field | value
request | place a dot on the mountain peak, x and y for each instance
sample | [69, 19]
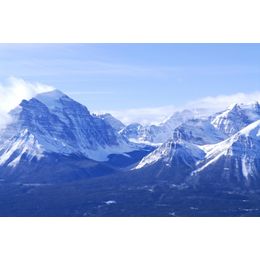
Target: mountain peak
[236, 117]
[243, 106]
[53, 94]
[234, 107]
[111, 120]
[51, 97]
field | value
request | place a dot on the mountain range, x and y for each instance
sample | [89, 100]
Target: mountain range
[223, 150]
[53, 138]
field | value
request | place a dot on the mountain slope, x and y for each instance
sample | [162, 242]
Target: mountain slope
[174, 159]
[235, 161]
[206, 157]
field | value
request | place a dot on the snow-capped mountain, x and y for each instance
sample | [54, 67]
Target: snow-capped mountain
[194, 127]
[156, 134]
[236, 117]
[171, 150]
[174, 159]
[179, 118]
[235, 160]
[114, 122]
[54, 123]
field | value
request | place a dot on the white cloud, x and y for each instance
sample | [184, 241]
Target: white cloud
[144, 116]
[217, 103]
[207, 105]
[14, 91]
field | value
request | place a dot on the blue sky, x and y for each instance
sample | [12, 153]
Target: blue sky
[112, 77]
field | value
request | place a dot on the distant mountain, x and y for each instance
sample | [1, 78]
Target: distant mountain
[175, 160]
[207, 154]
[236, 117]
[179, 118]
[114, 122]
[135, 132]
[199, 131]
[156, 134]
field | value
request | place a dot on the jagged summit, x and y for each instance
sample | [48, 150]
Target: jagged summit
[236, 117]
[114, 122]
[171, 150]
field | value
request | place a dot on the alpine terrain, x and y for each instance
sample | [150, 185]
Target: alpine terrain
[58, 159]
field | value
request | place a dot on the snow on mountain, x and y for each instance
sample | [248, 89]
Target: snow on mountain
[156, 134]
[236, 117]
[151, 135]
[194, 127]
[54, 123]
[199, 131]
[172, 150]
[114, 122]
[173, 161]
[24, 144]
[52, 99]
[205, 150]
[134, 132]
[237, 158]
[179, 118]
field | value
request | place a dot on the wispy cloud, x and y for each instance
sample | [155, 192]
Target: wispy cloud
[14, 91]
[216, 103]
[153, 115]
[209, 105]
